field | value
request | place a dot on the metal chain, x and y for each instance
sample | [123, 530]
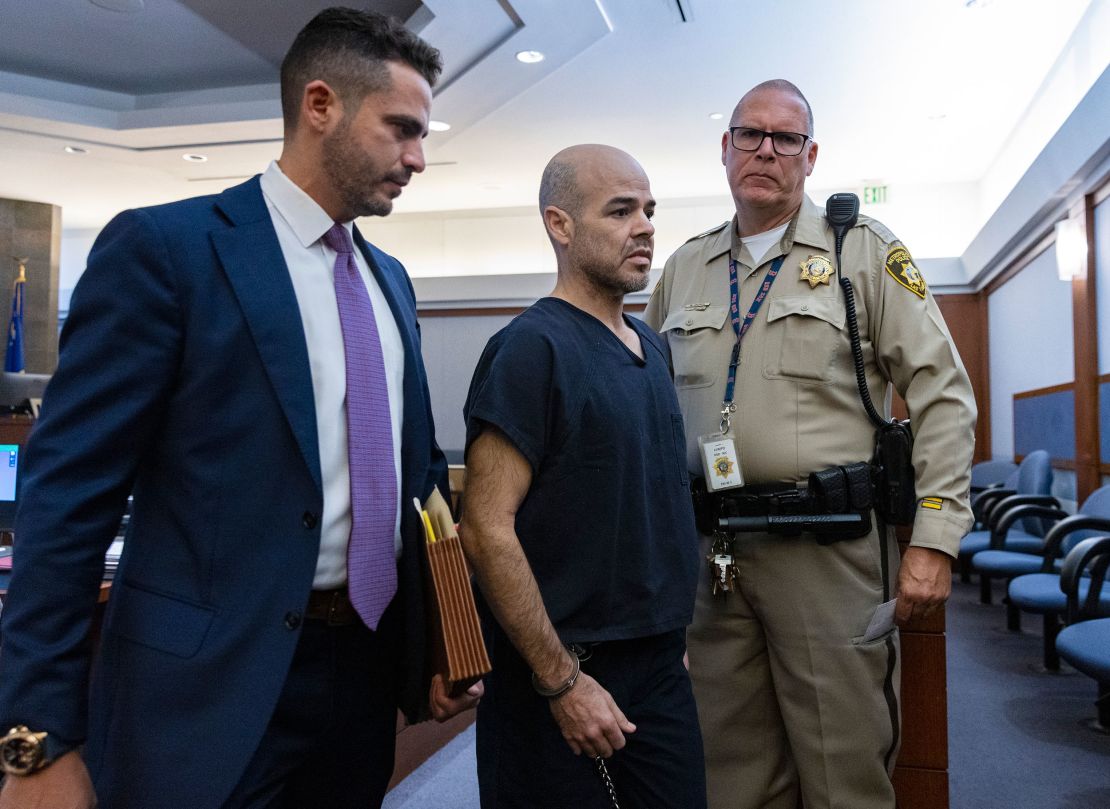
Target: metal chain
[603, 771]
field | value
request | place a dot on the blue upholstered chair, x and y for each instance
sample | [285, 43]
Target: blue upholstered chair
[1093, 517]
[1085, 642]
[1028, 486]
[1039, 591]
[990, 474]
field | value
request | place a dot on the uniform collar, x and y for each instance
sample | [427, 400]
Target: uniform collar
[809, 227]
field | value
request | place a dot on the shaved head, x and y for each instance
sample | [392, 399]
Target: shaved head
[597, 207]
[560, 184]
[780, 85]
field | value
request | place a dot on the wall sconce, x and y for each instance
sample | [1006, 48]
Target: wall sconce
[1071, 250]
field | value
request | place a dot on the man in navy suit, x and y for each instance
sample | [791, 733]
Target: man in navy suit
[208, 366]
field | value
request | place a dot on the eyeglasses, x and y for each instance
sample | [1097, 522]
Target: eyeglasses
[785, 144]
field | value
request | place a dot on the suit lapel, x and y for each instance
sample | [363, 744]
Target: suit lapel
[388, 282]
[253, 262]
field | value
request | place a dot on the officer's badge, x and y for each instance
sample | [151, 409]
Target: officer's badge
[900, 265]
[723, 467]
[816, 270]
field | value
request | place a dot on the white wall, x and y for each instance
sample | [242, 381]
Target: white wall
[451, 348]
[76, 245]
[1030, 342]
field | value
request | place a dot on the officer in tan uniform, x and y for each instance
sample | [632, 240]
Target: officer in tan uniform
[795, 668]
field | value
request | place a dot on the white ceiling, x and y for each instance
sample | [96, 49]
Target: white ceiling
[917, 94]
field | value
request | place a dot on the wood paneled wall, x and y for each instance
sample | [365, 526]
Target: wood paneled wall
[966, 317]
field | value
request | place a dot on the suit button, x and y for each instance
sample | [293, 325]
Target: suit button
[309, 520]
[292, 620]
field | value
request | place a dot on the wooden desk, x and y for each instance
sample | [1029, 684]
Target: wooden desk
[456, 474]
[14, 429]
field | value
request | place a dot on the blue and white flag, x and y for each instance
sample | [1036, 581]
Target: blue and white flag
[13, 360]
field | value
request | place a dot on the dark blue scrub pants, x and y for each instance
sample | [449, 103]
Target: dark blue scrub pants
[524, 762]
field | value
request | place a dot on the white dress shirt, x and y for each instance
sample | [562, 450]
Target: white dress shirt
[300, 223]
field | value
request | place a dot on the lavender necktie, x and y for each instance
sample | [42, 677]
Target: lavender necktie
[371, 563]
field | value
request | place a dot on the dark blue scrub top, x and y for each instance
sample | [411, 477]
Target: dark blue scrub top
[607, 524]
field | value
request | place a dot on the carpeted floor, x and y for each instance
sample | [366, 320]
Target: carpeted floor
[445, 781]
[1016, 736]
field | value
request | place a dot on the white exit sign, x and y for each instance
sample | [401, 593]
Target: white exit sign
[874, 194]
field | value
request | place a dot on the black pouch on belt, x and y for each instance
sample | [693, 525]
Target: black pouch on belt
[844, 490]
[892, 467]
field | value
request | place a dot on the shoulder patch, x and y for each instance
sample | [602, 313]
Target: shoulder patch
[709, 232]
[900, 267]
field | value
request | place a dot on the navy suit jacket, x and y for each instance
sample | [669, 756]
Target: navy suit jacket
[183, 377]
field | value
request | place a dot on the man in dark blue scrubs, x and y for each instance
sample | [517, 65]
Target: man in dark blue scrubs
[578, 525]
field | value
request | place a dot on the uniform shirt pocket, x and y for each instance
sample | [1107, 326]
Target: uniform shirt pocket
[691, 336]
[803, 332]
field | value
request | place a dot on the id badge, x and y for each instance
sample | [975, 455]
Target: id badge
[720, 462]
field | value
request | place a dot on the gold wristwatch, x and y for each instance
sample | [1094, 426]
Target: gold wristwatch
[23, 751]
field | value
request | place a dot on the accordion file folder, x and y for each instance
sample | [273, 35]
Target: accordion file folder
[458, 651]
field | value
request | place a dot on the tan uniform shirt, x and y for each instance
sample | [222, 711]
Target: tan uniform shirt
[798, 408]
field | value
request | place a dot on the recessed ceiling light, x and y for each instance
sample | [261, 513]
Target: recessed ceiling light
[76, 150]
[529, 57]
[716, 116]
[194, 158]
[127, 6]
[438, 126]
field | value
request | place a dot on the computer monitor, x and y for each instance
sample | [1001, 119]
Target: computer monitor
[9, 484]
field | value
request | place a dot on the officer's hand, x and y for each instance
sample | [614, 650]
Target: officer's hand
[444, 706]
[590, 720]
[924, 583]
[65, 784]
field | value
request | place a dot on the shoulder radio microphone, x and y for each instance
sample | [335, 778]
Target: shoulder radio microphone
[892, 465]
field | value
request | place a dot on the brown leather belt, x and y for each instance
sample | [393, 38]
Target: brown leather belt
[333, 606]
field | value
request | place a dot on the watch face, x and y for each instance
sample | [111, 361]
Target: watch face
[20, 753]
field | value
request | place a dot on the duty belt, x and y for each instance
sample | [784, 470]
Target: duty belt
[834, 504]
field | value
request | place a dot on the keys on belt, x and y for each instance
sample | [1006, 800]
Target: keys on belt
[722, 572]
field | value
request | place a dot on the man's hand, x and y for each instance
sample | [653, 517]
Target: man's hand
[590, 720]
[443, 705]
[65, 784]
[924, 583]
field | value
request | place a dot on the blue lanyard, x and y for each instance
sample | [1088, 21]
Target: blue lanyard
[727, 407]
